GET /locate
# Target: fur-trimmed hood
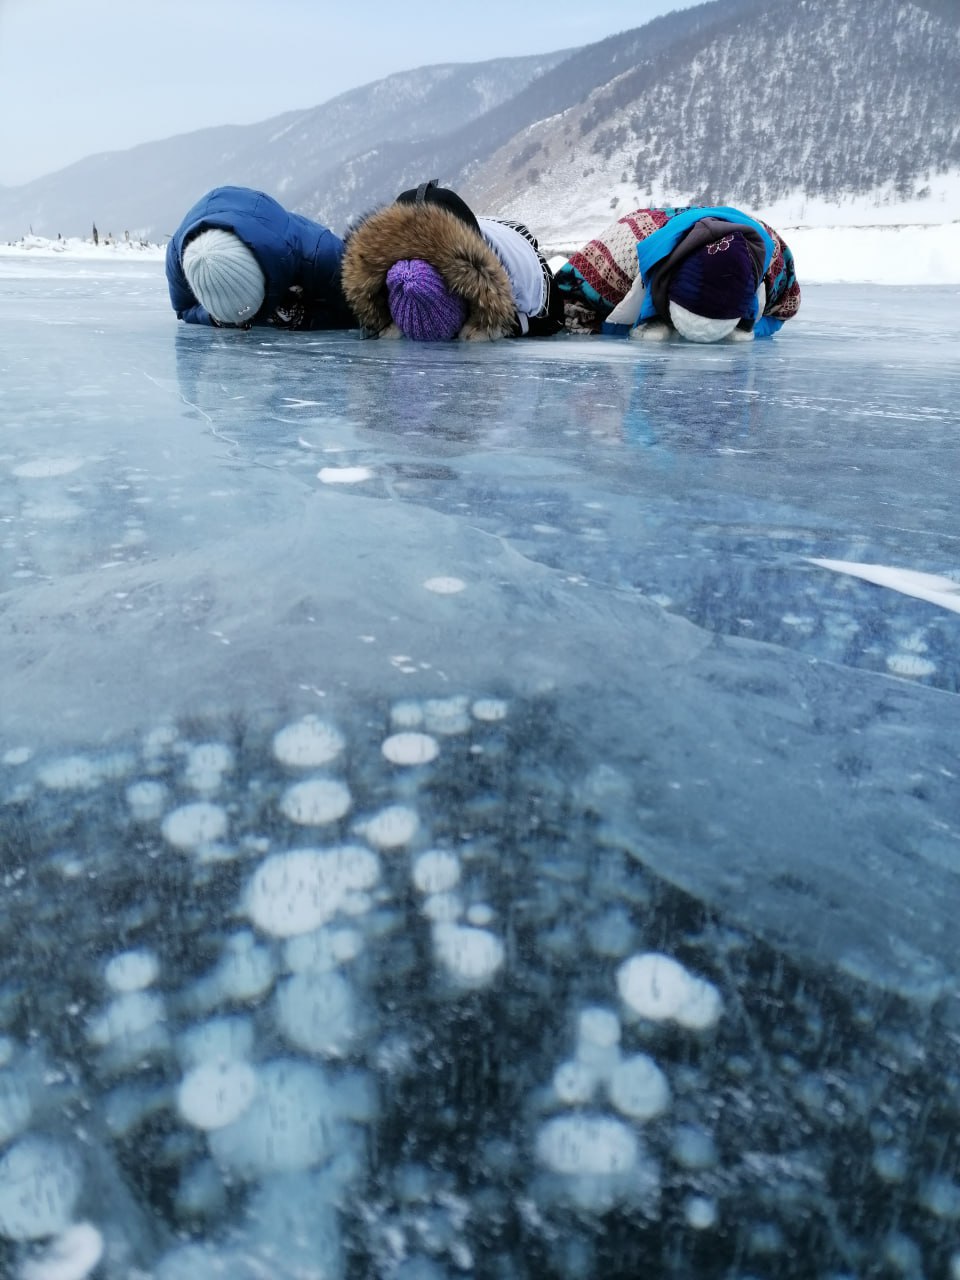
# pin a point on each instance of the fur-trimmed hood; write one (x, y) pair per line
(467, 263)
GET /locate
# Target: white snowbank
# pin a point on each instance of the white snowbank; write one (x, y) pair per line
(846, 243)
(907, 255)
(77, 247)
(895, 255)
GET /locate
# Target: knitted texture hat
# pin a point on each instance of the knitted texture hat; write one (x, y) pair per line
(717, 281)
(699, 328)
(422, 306)
(224, 275)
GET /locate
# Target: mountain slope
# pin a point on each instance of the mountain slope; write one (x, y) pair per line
(340, 194)
(827, 98)
(148, 188)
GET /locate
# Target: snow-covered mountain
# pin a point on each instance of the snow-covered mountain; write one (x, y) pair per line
(802, 109)
(793, 106)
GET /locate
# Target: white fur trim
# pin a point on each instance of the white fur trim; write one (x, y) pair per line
(699, 328)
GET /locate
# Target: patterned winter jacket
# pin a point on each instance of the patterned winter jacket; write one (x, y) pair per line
(300, 260)
(611, 282)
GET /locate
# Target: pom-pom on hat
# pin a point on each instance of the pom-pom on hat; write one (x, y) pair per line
(224, 275)
(422, 306)
(713, 289)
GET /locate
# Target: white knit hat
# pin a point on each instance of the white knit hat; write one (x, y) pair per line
(224, 275)
(700, 328)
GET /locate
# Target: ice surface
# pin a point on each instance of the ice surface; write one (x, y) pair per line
(583, 667)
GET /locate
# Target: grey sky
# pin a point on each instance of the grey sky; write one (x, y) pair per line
(83, 76)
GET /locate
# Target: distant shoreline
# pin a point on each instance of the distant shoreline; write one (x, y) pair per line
(885, 254)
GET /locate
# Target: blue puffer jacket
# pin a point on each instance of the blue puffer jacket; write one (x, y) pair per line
(293, 252)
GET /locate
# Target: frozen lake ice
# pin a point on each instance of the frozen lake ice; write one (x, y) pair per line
(465, 810)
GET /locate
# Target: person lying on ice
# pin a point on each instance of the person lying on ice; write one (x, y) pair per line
(426, 268)
(239, 258)
(702, 273)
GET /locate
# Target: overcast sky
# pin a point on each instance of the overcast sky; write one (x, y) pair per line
(82, 76)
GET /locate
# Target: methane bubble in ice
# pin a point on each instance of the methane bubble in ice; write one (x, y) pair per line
(447, 715)
(574, 1084)
(693, 1148)
(598, 1026)
(245, 971)
(598, 1040)
(638, 1088)
(657, 987)
(215, 1040)
(39, 1185)
(392, 827)
(941, 1197)
(146, 800)
(911, 665)
(700, 1212)
(443, 908)
(308, 743)
(315, 802)
(489, 709)
(322, 949)
(343, 475)
(436, 871)
(292, 1123)
(215, 1094)
(410, 748)
(585, 1144)
(132, 970)
(72, 773)
(206, 764)
(470, 956)
(445, 586)
(73, 1255)
(45, 468)
(129, 1021)
(316, 1013)
(194, 825)
(15, 1105)
(481, 913)
(296, 892)
(406, 714)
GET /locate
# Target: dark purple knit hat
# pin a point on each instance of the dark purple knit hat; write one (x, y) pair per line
(719, 280)
(422, 306)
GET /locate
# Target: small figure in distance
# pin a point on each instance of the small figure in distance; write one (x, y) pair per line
(239, 258)
(704, 273)
(427, 268)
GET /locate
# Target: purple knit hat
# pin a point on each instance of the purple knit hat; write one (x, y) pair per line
(718, 281)
(422, 306)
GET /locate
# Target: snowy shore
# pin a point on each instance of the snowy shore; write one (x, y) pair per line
(910, 254)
